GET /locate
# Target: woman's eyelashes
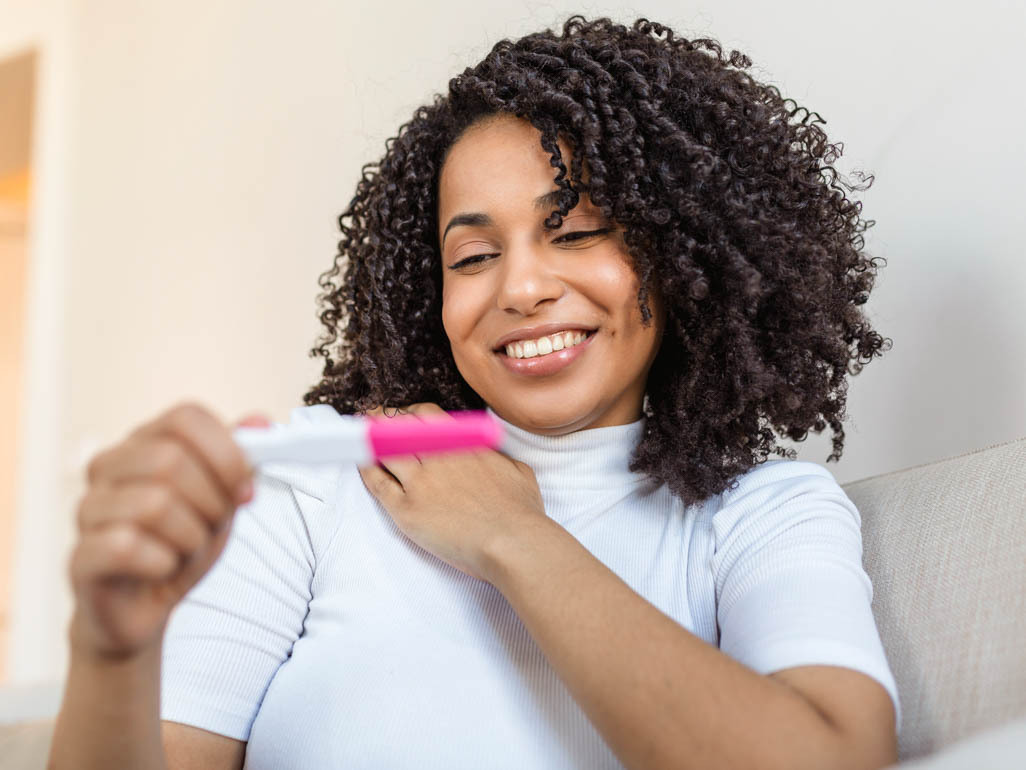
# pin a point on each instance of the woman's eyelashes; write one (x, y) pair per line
(576, 236)
(569, 237)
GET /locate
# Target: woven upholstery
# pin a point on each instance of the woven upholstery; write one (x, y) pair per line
(945, 546)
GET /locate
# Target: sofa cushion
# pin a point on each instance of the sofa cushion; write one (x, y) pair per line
(945, 546)
(25, 745)
(999, 748)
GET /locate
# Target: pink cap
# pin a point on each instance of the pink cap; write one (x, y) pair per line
(422, 434)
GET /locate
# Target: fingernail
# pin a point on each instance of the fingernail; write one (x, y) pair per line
(244, 492)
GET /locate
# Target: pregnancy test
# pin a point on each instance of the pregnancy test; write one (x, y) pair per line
(364, 440)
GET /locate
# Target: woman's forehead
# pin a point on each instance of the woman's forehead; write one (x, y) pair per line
(500, 149)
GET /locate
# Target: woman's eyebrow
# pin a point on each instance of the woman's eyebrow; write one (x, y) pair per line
(480, 219)
(473, 219)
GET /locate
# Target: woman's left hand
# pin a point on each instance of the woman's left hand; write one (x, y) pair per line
(458, 505)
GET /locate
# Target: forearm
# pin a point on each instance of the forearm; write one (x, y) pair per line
(660, 696)
(110, 714)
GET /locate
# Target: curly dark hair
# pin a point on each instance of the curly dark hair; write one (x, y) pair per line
(728, 206)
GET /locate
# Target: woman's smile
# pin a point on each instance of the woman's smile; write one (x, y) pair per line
(550, 362)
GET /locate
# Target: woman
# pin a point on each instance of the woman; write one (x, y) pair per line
(620, 246)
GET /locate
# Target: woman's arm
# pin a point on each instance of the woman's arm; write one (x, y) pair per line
(110, 714)
(660, 696)
(110, 717)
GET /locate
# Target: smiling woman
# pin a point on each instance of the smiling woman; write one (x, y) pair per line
(622, 248)
(635, 256)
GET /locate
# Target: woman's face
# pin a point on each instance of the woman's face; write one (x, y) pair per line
(488, 200)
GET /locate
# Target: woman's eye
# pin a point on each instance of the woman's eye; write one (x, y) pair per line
(470, 261)
(581, 234)
(569, 237)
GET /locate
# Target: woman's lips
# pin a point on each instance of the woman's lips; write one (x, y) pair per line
(547, 364)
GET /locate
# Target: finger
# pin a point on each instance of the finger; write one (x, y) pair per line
(210, 440)
(429, 410)
(401, 466)
(199, 564)
(154, 508)
(426, 412)
(397, 464)
(380, 483)
(167, 461)
(121, 551)
(385, 411)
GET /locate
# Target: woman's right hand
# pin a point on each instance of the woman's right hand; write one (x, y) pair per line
(156, 515)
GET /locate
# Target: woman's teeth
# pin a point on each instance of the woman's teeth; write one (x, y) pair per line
(544, 345)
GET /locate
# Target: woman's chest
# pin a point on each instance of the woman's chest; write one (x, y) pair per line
(406, 661)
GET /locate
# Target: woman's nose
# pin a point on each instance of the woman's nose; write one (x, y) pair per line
(527, 279)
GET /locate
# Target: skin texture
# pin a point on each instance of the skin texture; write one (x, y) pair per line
(536, 276)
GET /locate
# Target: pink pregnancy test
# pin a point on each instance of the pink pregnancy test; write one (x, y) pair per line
(364, 440)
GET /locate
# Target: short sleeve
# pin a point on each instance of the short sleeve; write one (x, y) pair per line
(790, 586)
(229, 635)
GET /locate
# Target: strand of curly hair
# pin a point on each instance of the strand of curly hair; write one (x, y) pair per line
(730, 205)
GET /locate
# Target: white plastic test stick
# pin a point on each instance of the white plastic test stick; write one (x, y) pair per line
(343, 441)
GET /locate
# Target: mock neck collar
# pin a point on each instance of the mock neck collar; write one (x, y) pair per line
(593, 458)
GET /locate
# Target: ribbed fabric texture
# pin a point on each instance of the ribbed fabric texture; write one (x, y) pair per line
(324, 637)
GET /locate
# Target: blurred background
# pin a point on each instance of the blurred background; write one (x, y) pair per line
(171, 174)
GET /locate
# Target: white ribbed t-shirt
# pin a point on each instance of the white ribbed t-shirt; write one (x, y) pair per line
(325, 637)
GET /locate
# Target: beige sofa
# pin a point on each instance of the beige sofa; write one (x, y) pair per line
(945, 546)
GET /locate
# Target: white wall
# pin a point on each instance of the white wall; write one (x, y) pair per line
(39, 591)
(211, 147)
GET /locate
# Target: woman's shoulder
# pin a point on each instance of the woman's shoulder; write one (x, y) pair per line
(777, 472)
(781, 486)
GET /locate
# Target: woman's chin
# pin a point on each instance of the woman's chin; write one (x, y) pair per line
(544, 420)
